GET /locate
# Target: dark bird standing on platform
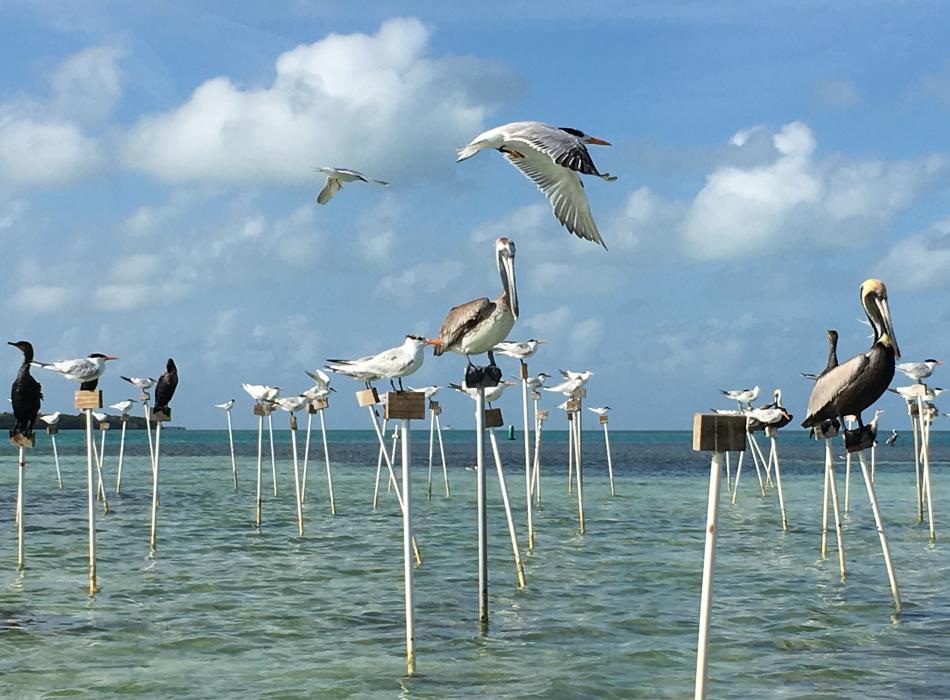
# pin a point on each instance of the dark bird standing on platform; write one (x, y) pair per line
(850, 388)
(165, 388)
(26, 393)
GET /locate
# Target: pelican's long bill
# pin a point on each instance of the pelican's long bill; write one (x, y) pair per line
(506, 263)
(885, 312)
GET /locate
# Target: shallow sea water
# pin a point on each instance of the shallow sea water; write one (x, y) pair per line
(223, 609)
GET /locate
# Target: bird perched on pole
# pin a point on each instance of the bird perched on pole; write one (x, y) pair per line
(918, 371)
(165, 387)
(86, 370)
(26, 394)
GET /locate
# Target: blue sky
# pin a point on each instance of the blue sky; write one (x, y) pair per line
(157, 196)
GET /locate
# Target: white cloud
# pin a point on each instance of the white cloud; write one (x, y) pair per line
(87, 85)
(586, 336)
(548, 323)
(36, 152)
(422, 279)
(374, 102)
(920, 261)
(44, 298)
(796, 197)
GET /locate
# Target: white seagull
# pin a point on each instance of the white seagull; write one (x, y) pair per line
(101, 417)
(582, 377)
(262, 393)
(519, 351)
(743, 396)
(226, 405)
(291, 404)
(321, 380)
(491, 393)
(599, 410)
(335, 179)
(909, 393)
(918, 370)
(568, 387)
(52, 418)
(123, 406)
(143, 383)
(537, 381)
(551, 157)
(85, 369)
(394, 363)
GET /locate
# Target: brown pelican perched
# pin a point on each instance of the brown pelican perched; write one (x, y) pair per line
(851, 387)
(479, 325)
(551, 158)
(85, 369)
(26, 394)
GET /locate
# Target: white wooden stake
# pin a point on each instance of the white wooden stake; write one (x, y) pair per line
(892, 578)
(706, 596)
(100, 491)
(59, 476)
(260, 450)
(148, 430)
(917, 475)
(778, 481)
(610, 462)
(728, 474)
(306, 456)
(379, 457)
(230, 444)
(431, 453)
(326, 459)
(579, 464)
(570, 455)
(824, 505)
(273, 454)
(153, 540)
(392, 459)
(839, 531)
(847, 484)
(407, 540)
(754, 449)
(735, 487)
(445, 468)
(527, 453)
(519, 568)
(925, 454)
(118, 473)
(293, 445)
(482, 513)
(536, 469)
(21, 462)
(91, 503)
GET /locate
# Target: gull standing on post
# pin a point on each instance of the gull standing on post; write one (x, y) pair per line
(519, 351)
(551, 158)
(394, 363)
(143, 383)
(744, 397)
(86, 370)
(538, 380)
(335, 179)
(582, 377)
(261, 393)
(918, 371)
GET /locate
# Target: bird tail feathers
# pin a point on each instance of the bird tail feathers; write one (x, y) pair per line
(466, 152)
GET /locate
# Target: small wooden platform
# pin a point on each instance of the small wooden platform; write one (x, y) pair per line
(405, 405)
(715, 433)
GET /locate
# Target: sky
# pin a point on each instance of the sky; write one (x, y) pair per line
(157, 191)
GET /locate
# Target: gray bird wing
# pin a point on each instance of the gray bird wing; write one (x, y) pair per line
(829, 386)
(563, 148)
(331, 188)
(462, 318)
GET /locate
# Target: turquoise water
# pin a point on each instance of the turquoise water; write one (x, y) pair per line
(226, 610)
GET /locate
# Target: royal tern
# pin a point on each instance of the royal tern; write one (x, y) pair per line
(491, 393)
(226, 405)
(538, 380)
(86, 370)
(582, 377)
(599, 410)
(479, 325)
(165, 388)
(744, 397)
(143, 383)
(123, 406)
(910, 393)
(918, 371)
(855, 385)
(100, 416)
(519, 351)
(429, 391)
(291, 404)
(51, 418)
(261, 392)
(26, 394)
(551, 157)
(567, 388)
(321, 380)
(394, 363)
(335, 179)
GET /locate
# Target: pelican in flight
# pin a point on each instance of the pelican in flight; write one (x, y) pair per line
(262, 393)
(744, 397)
(394, 363)
(918, 370)
(479, 325)
(335, 179)
(86, 370)
(519, 351)
(853, 386)
(551, 158)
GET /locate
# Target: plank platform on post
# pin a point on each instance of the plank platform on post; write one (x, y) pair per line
(367, 397)
(404, 405)
(603, 420)
(715, 433)
(88, 399)
(493, 418)
(20, 440)
(317, 405)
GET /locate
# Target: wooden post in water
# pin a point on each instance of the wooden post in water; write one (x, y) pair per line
(124, 419)
(771, 432)
(321, 406)
(716, 434)
(570, 452)
(579, 456)
(610, 461)
(273, 453)
(159, 418)
(536, 468)
(437, 412)
(231, 446)
(922, 418)
(86, 401)
(885, 550)
(52, 430)
(519, 567)
(297, 496)
(23, 443)
(259, 411)
(527, 453)
(482, 512)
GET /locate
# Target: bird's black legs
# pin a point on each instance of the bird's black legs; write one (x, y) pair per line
(400, 384)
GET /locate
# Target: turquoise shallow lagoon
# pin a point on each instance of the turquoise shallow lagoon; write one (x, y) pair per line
(226, 610)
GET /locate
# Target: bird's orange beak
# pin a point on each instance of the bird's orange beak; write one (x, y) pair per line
(598, 142)
(111, 357)
(434, 341)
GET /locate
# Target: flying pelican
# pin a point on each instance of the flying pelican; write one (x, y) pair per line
(744, 397)
(851, 387)
(892, 438)
(143, 383)
(85, 369)
(519, 351)
(918, 370)
(479, 325)
(51, 418)
(832, 357)
(394, 363)
(335, 179)
(165, 388)
(491, 393)
(226, 405)
(123, 406)
(26, 394)
(551, 158)
(261, 392)
(909, 393)
(599, 410)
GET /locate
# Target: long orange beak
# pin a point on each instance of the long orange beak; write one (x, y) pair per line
(598, 142)
(434, 341)
(111, 357)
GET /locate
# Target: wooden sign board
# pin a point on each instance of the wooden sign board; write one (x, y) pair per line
(88, 399)
(405, 405)
(20, 440)
(162, 416)
(367, 397)
(715, 433)
(293, 422)
(573, 405)
(493, 418)
(603, 419)
(317, 405)
(104, 426)
(524, 370)
(858, 439)
(535, 395)
(581, 393)
(52, 429)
